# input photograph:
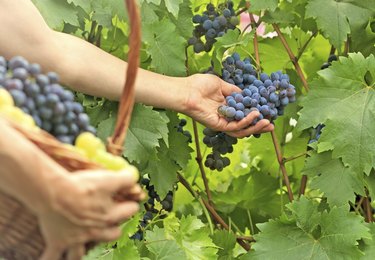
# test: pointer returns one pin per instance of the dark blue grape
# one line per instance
(240, 106)
(197, 18)
(230, 112)
(20, 73)
(18, 96)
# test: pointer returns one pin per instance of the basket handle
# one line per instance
(115, 143)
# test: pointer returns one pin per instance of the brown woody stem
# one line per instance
(255, 41)
(199, 160)
(292, 57)
(282, 165)
(212, 210)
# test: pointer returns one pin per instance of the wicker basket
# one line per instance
(20, 236)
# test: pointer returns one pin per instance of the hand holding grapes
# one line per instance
(205, 94)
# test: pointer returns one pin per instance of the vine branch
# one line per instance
(303, 185)
(255, 41)
(212, 211)
(199, 160)
(294, 157)
(368, 209)
(292, 57)
(282, 165)
(303, 48)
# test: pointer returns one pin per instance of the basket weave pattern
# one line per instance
(20, 237)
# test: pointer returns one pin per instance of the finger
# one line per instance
(257, 128)
(113, 182)
(121, 212)
(268, 128)
(134, 194)
(52, 253)
(104, 235)
(76, 252)
(244, 123)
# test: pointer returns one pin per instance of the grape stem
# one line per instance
(294, 157)
(244, 9)
(303, 48)
(356, 209)
(303, 185)
(282, 165)
(292, 57)
(368, 209)
(255, 41)
(199, 160)
(212, 211)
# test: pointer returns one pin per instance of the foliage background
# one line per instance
(333, 219)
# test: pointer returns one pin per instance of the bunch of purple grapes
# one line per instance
(330, 59)
(221, 144)
(166, 203)
(41, 96)
(268, 95)
(180, 128)
(211, 24)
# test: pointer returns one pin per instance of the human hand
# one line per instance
(205, 94)
(83, 210)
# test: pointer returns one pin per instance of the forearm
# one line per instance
(26, 173)
(81, 65)
(93, 71)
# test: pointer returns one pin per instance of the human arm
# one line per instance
(72, 209)
(91, 70)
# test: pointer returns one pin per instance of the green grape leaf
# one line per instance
(162, 170)
(231, 38)
(334, 18)
(188, 237)
(323, 235)
(325, 171)
(258, 5)
(173, 6)
(193, 238)
(99, 252)
(56, 12)
(368, 245)
(128, 229)
(257, 193)
(128, 251)
(159, 36)
(146, 128)
(86, 5)
(226, 241)
(163, 166)
(148, 14)
(344, 102)
(183, 22)
(162, 247)
(179, 149)
(102, 13)
(100, 111)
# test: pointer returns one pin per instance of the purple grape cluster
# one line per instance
(214, 22)
(221, 144)
(41, 96)
(180, 128)
(331, 58)
(166, 203)
(268, 95)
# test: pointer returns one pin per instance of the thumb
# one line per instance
(228, 88)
